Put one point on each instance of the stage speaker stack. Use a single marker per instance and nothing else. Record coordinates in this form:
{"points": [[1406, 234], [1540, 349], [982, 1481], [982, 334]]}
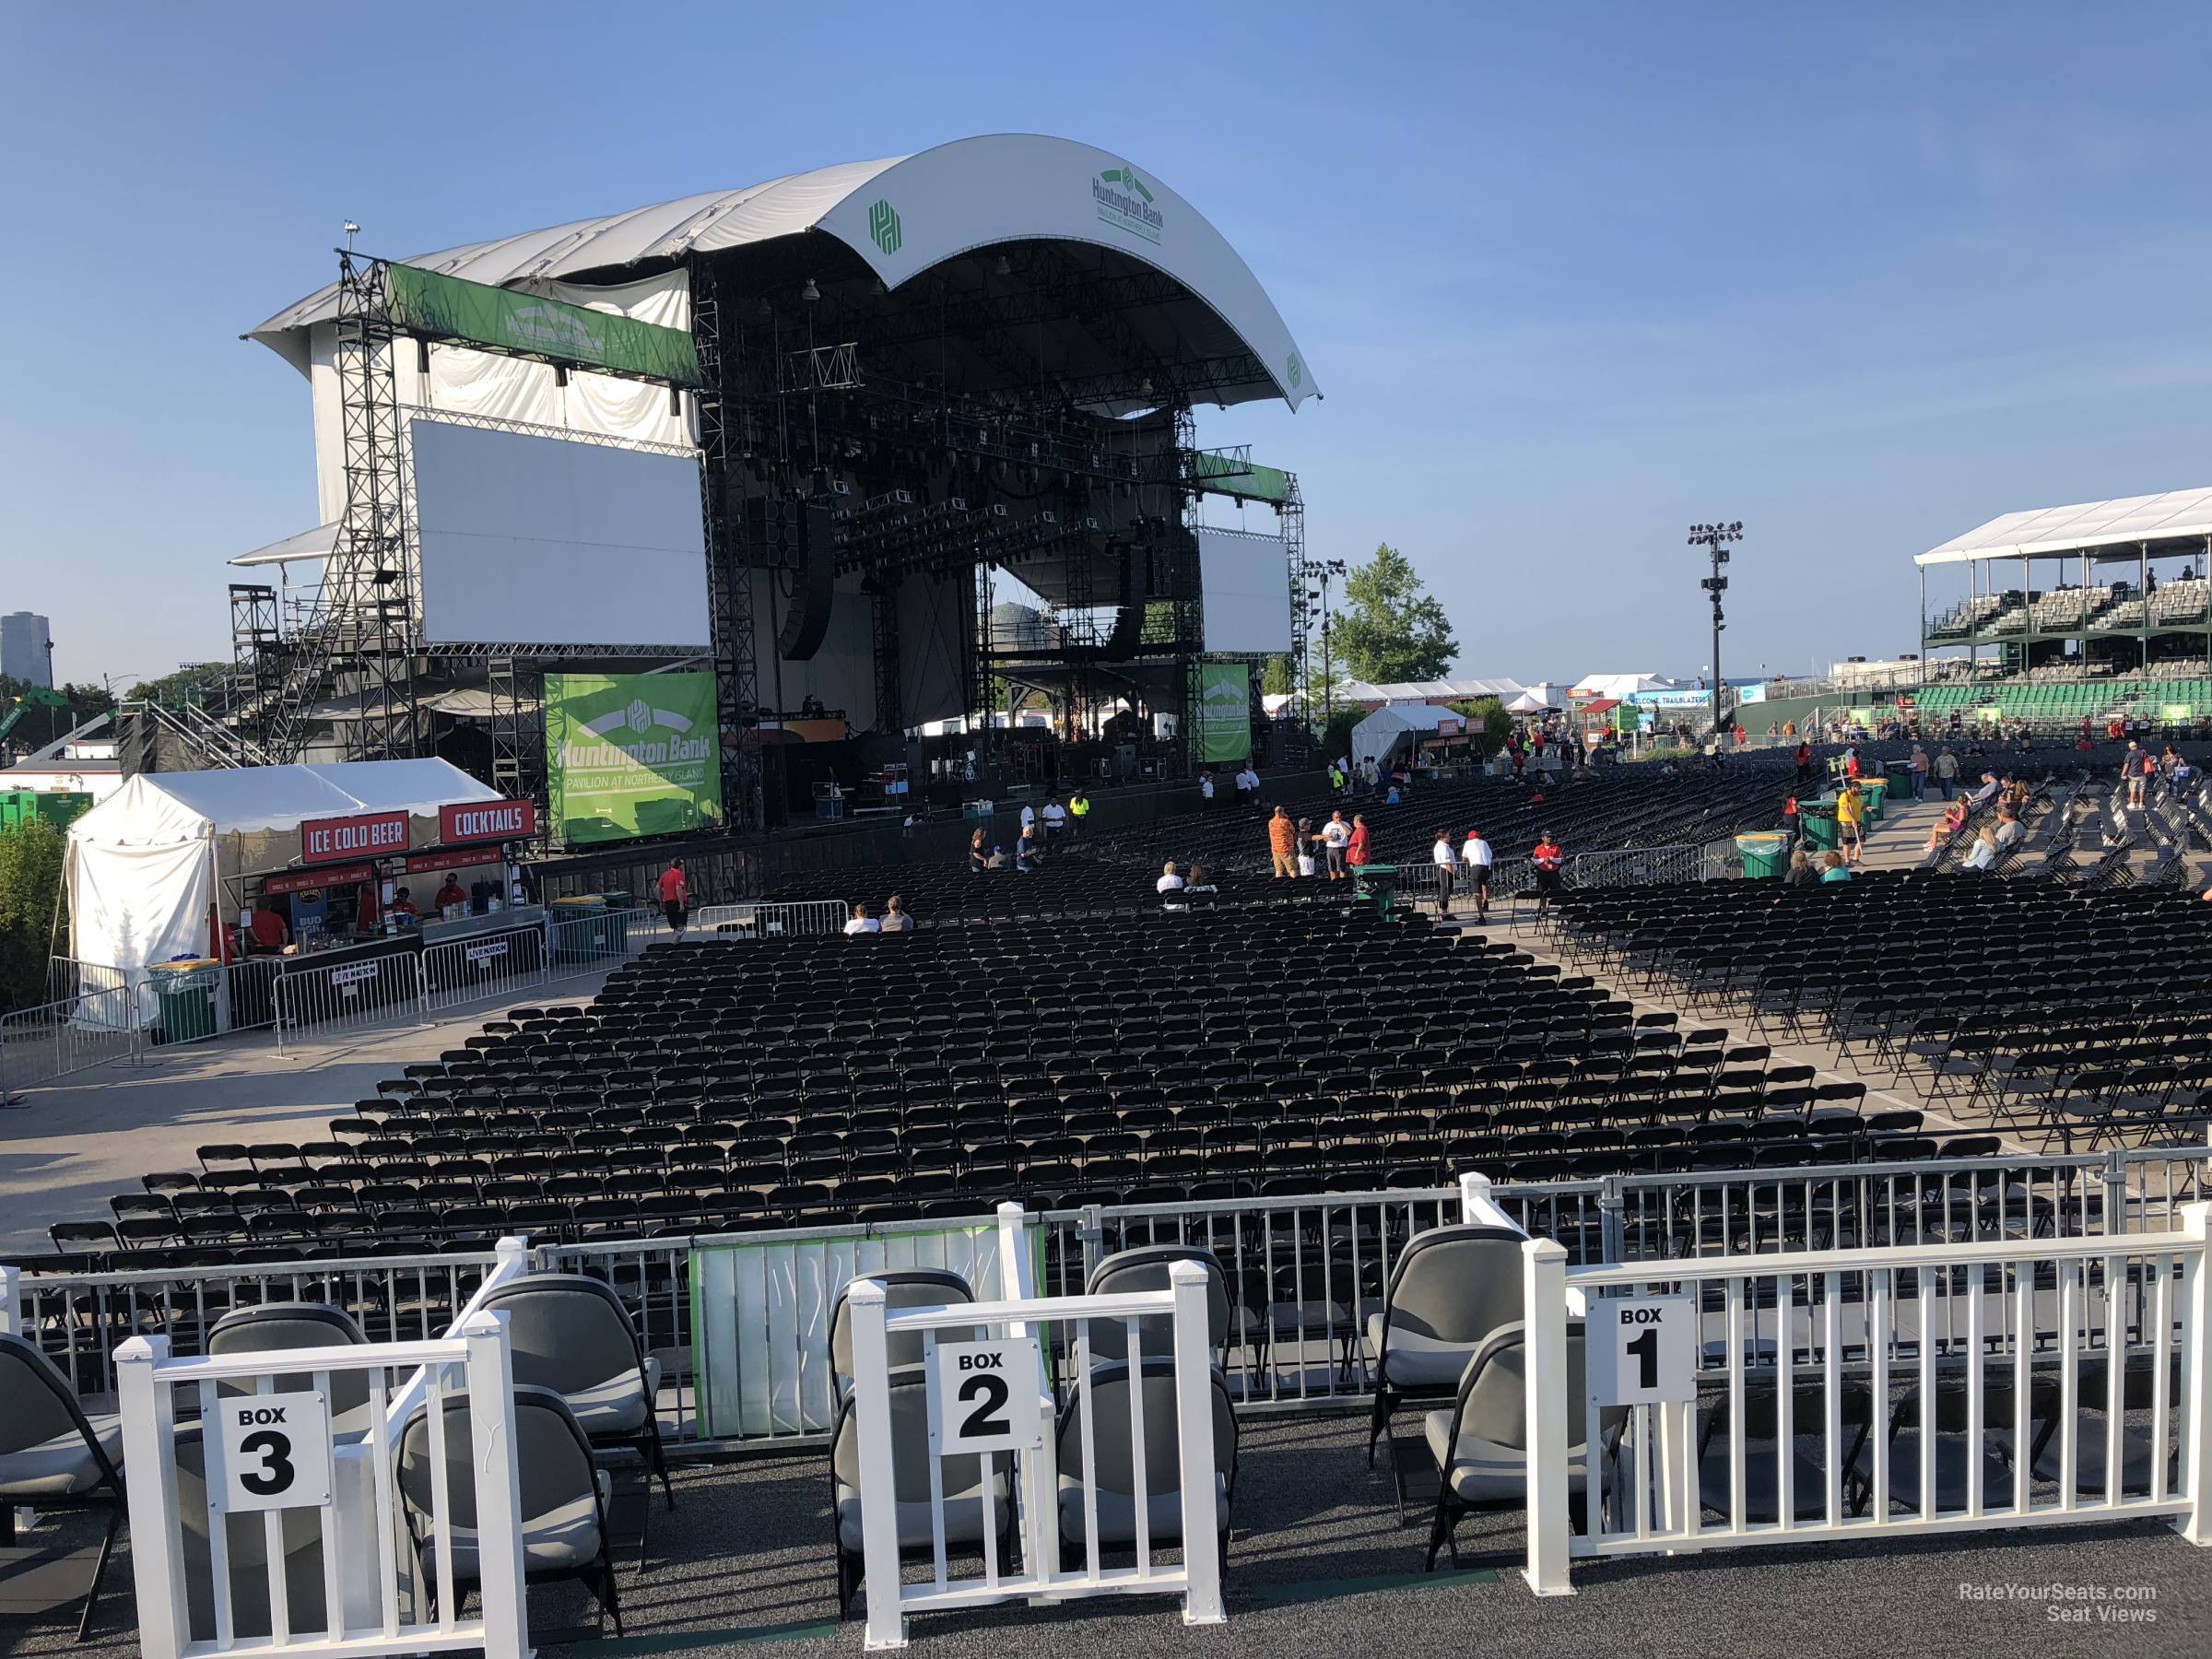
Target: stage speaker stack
{"points": [[808, 618]]}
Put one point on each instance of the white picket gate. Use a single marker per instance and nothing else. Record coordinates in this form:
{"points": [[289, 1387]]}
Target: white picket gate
{"points": [[1990, 1352], [1053, 1328]]}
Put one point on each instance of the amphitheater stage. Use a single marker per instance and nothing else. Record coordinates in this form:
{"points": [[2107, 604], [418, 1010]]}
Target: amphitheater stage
{"points": [[1318, 1564]]}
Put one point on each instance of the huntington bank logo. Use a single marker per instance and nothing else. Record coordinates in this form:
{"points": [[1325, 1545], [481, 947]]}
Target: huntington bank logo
{"points": [[1298, 371], [883, 229], [1125, 201]]}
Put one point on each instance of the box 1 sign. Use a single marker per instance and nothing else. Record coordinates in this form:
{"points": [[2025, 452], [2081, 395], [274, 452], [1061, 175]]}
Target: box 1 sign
{"points": [[275, 1453], [982, 1397], [366, 835], [1643, 1349]]}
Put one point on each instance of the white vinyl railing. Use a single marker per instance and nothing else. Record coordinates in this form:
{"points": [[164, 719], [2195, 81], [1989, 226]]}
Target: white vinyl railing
{"points": [[1022, 1422], [234, 1572], [359, 1503], [1992, 1353]]}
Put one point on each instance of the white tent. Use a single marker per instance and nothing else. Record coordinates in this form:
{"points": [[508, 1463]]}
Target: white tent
{"points": [[1378, 737], [147, 865], [1528, 702]]}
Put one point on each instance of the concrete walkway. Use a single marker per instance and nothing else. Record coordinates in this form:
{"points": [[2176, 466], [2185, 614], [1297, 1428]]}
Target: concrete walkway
{"points": [[69, 1146]]}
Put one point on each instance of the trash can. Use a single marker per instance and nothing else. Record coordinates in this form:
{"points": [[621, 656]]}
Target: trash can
{"points": [[1377, 885], [185, 993], [1819, 825], [1763, 851], [1875, 790], [580, 926]]}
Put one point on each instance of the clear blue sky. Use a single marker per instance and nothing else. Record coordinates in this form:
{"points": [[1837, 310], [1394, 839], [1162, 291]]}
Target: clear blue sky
{"points": [[1570, 276]]}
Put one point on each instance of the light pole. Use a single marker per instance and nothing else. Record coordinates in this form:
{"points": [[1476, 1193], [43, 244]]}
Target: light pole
{"points": [[1714, 538], [1322, 572]]}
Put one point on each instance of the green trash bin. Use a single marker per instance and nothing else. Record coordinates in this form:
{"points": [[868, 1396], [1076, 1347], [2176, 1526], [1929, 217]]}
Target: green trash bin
{"points": [[578, 928], [1377, 885], [1875, 790], [1763, 851], [620, 907], [1819, 826], [185, 993]]}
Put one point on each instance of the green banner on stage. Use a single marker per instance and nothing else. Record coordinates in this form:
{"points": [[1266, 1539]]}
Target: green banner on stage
{"points": [[1246, 480], [630, 754], [426, 303], [1224, 712]]}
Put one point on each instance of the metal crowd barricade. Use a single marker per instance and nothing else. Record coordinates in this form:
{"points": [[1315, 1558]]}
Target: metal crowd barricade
{"points": [[73, 1034], [500, 962], [343, 991], [1634, 866], [1026, 1416], [769, 919], [1947, 1380], [218, 1571]]}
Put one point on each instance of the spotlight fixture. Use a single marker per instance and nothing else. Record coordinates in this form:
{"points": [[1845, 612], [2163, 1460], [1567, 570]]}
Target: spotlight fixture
{"points": [[810, 293], [764, 308], [1714, 539], [1005, 266]]}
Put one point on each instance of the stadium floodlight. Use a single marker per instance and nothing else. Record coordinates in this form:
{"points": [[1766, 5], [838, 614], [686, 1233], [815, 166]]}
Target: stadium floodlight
{"points": [[810, 293], [352, 231], [1319, 575], [1714, 539]]}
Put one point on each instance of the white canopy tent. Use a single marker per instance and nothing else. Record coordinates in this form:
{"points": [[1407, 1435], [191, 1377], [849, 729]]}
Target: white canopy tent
{"points": [[145, 866], [1528, 702], [1379, 737], [2174, 515]]}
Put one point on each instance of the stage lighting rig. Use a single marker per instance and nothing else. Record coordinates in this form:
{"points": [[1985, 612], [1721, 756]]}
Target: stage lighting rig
{"points": [[1714, 538]]}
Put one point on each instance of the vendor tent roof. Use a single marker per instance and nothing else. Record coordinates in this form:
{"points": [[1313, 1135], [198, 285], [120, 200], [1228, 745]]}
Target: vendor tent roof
{"points": [[262, 798], [2084, 527], [1528, 702]]}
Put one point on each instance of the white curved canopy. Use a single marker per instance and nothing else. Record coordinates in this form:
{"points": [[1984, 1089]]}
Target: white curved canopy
{"points": [[2086, 526], [901, 215]]}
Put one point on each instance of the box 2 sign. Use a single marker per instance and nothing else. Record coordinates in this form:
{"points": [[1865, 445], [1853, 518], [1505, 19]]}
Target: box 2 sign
{"points": [[370, 835], [1643, 1349], [982, 1397], [275, 1453]]}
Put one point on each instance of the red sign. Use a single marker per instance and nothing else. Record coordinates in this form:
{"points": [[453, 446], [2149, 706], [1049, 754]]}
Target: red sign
{"points": [[329, 841], [420, 863], [302, 881], [488, 822]]}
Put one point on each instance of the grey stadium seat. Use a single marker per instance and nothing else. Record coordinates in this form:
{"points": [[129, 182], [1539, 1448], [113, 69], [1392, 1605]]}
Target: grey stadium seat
{"points": [[1451, 1287]]}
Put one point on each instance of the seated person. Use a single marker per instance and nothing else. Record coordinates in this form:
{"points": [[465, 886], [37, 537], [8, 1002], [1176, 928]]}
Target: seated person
{"points": [[895, 919], [1200, 887], [1171, 880], [1984, 852], [1988, 792], [402, 907], [1833, 869], [861, 921], [2010, 831], [1949, 824]]}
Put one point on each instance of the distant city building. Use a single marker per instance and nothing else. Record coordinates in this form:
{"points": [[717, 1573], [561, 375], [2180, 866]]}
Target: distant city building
{"points": [[27, 648]]}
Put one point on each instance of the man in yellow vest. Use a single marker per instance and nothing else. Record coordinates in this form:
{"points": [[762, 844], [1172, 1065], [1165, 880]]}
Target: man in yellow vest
{"points": [[1078, 809]]}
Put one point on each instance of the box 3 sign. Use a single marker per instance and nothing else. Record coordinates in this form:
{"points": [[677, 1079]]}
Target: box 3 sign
{"points": [[369, 835], [1643, 1349], [275, 1453], [982, 1397]]}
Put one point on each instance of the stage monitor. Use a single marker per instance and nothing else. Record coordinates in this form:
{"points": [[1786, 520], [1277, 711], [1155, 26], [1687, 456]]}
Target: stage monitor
{"points": [[1246, 580], [550, 541]]}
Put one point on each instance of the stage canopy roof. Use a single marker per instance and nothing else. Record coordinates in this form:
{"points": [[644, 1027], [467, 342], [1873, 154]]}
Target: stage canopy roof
{"points": [[936, 211], [2175, 515]]}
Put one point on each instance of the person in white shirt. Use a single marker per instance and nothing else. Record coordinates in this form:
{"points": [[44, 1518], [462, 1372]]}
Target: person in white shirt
{"points": [[1476, 859], [1447, 865], [1029, 817], [1206, 792], [1335, 836], [861, 921], [1169, 882], [1055, 819]]}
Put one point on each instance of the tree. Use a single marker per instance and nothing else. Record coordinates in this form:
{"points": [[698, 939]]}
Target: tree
{"points": [[1392, 629], [1496, 723], [30, 888], [1276, 678]]}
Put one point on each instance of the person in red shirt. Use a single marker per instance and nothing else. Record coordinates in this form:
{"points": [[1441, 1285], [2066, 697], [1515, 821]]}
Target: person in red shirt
{"points": [[675, 897], [450, 893], [1355, 851], [1550, 861], [1790, 820], [268, 932]]}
